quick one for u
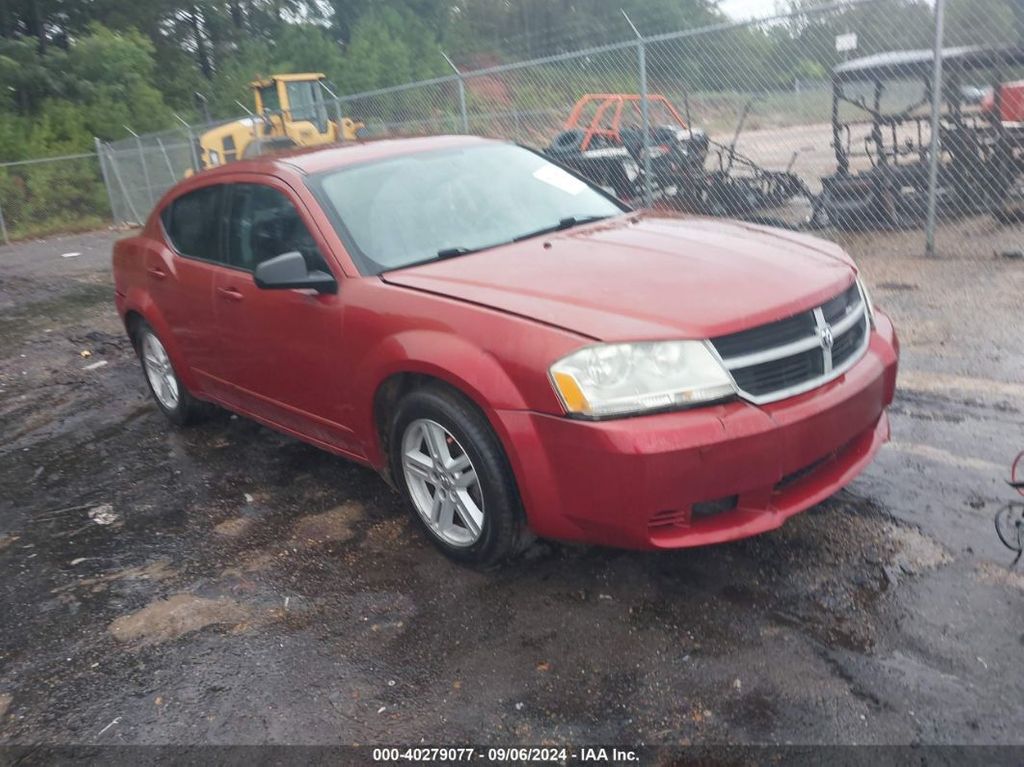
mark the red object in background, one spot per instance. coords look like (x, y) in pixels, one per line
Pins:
(1012, 98)
(603, 114)
(491, 324)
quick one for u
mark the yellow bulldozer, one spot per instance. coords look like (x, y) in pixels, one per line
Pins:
(290, 112)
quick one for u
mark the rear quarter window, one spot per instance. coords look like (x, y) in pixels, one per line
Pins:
(192, 223)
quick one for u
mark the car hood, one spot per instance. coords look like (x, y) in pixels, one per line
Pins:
(633, 278)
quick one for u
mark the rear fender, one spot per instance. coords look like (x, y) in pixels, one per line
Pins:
(138, 301)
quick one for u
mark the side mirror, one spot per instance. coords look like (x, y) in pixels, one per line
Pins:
(289, 271)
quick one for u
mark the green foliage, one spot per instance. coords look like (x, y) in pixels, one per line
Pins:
(57, 100)
(305, 48)
(53, 197)
(982, 22)
(110, 76)
(390, 46)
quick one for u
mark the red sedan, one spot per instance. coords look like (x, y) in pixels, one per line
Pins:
(509, 346)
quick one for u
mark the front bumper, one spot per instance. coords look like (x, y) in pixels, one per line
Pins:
(705, 475)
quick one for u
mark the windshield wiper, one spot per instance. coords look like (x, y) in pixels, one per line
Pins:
(459, 250)
(441, 255)
(565, 223)
(453, 252)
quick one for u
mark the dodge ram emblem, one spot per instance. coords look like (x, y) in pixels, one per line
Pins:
(827, 339)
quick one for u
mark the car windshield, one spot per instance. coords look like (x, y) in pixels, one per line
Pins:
(431, 205)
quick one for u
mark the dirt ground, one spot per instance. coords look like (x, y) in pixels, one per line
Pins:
(225, 584)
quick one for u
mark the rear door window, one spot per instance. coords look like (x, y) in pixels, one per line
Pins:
(263, 223)
(193, 223)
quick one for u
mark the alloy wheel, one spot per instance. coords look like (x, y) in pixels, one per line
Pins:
(443, 483)
(159, 371)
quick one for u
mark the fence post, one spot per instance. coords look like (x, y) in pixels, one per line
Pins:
(193, 151)
(3, 227)
(462, 93)
(196, 167)
(645, 111)
(106, 178)
(338, 116)
(126, 196)
(167, 159)
(145, 168)
(936, 143)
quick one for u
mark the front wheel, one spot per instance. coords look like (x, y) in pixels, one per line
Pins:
(454, 474)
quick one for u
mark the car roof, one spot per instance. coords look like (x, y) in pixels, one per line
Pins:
(315, 160)
(895, 64)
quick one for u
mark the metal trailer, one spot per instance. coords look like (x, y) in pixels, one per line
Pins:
(602, 141)
(982, 156)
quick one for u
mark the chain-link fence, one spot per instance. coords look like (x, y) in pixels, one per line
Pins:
(821, 120)
(50, 195)
(139, 169)
(836, 119)
(979, 181)
(423, 108)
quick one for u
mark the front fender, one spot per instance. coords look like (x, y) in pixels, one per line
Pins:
(441, 355)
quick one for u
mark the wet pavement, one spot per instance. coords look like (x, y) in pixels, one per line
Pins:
(225, 584)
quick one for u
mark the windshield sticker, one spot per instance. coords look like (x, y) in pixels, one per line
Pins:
(559, 179)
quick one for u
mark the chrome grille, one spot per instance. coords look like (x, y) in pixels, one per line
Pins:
(775, 375)
(766, 336)
(848, 344)
(797, 353)
(840, 306)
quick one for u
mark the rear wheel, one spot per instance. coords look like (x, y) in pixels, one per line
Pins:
(168, 391)
(454, 474)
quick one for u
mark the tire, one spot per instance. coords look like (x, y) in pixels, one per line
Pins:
(468, 438)
(166, 388)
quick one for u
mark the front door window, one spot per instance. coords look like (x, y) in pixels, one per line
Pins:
(263, 224)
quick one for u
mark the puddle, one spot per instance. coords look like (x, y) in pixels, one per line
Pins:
(167, 619)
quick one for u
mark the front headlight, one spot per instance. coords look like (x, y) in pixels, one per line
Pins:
(627, 379)
(867, 300)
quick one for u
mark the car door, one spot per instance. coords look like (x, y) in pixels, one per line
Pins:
(180, 272)
(278, 350)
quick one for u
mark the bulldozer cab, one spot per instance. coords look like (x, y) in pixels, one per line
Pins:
(291, 111)
(290, 99)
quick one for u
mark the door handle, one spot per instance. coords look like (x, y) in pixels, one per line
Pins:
(156, 271)
(230, 293)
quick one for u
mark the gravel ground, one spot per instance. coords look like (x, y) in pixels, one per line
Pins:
(225, 584)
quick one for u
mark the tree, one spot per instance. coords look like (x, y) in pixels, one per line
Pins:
(110, 76)
(390, 45)
(982, 22)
